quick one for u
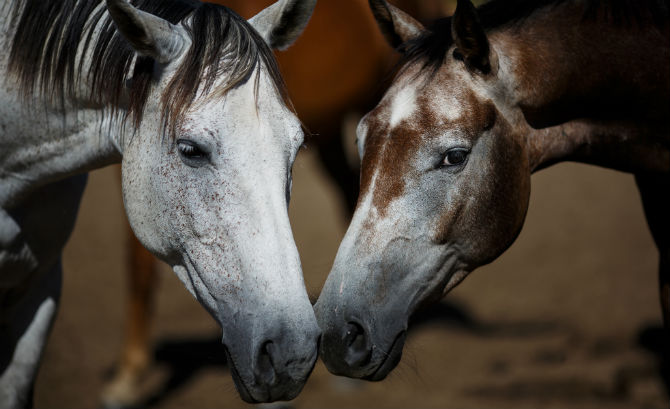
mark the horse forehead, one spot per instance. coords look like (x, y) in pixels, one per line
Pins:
(407, 119)
(221, 114)
(249, 105)
(418, 96)
(412, 112)
(250, 124)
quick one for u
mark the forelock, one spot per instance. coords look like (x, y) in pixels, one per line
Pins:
(225, 53)
(44, 56)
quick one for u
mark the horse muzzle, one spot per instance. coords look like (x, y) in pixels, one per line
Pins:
(350, 347)
(274, 368)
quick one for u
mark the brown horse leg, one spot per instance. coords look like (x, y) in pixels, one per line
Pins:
(334, 159)
(123, 389)
(655, 192)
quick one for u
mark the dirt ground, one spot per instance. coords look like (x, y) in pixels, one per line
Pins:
(568, 317)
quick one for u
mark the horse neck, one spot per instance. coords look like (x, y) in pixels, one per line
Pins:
(42, 142)
(591, 90)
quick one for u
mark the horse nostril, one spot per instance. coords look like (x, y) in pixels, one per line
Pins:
(353, 332)
(264, 370)
(358, 349)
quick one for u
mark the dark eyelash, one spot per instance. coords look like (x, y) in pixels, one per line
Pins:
(190, 150)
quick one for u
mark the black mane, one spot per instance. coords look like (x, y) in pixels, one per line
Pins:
(431, 47)
(43, 54)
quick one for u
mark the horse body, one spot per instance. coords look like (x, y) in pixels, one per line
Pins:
(32, 235)
(609, 105)
(447, 155)
(194, 110)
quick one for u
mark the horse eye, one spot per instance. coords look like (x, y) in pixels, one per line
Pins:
(190, 150)
(455, 157)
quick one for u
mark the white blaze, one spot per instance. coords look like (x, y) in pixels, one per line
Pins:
(403, 106)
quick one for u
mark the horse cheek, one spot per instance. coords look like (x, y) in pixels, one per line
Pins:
(510, 196)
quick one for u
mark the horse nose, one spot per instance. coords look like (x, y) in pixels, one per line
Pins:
(357, 346)
(282, 363)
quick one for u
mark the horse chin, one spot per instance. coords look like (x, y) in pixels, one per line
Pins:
(391, 360)
(257, 396)
(241, 387)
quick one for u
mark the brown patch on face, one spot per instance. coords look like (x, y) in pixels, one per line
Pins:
(389, 151)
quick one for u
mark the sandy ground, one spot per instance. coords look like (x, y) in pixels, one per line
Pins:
(568, 317)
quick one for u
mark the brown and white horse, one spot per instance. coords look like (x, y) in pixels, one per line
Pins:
(482, 100)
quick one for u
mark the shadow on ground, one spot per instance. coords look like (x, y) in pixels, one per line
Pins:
(622, 386)
(184, 358)
(656, 340)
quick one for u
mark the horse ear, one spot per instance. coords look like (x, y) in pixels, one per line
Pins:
(282, 23)
(472, 46)
(397, 26)
(147, 34)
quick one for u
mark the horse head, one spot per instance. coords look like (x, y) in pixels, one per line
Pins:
(207, 179)
(445, 185)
